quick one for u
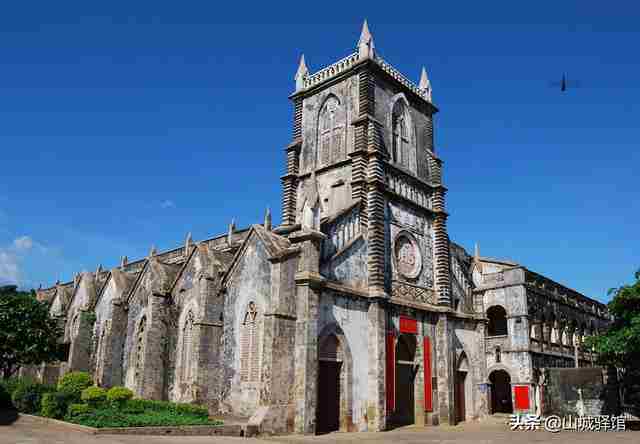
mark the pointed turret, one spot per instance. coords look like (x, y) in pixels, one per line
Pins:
(366, 47)
(187, 243)
(267, 219)
(476, 257)
(425, 85)
(153, 251)
(123, 261)
(232, 229)
(99, 270)
(301, 74)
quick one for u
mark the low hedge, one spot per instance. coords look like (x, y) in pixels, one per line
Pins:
(55, 404)
(94, 396)
(119, 395)
(27, 396)
(74, 383)
(75, 410)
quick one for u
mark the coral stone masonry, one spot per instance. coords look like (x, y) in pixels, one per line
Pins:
(357, 313)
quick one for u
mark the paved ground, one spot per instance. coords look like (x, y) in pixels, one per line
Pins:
(495, 431)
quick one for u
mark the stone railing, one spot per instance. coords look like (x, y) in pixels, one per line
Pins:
(341, 232)
(407, 188)
(331, 70)
(401, 78)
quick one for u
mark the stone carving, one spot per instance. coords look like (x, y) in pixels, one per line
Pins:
(408, 258)
(411, 293)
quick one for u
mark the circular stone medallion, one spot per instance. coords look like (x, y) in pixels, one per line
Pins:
(407, 255)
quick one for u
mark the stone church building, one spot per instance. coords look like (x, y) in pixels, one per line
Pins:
(356, 313)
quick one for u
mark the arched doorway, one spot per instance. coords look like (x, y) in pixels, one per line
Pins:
(329, 367)
(405, 376)
(500, 392)
(460, 392)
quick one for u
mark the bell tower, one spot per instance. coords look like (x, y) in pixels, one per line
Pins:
(363, 137)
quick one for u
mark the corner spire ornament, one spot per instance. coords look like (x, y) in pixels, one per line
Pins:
(366, 47)
(232, 229)
(153, 251)
(301, 74)
(123, 261)
(267, 219)
(187, 243)
(425, 84)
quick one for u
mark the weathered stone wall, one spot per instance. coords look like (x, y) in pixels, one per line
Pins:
(470, 358)
(386, 95)
(349, 314)
(334, 184)
(578, 391)
(250, 281)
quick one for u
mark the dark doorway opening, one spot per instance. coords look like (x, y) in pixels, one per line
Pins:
(328, 411)
(459, 394)
(497, 321)
(500, 392)
(405, 377)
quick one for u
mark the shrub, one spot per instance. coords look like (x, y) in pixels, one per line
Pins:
(94, 396)
(54, 404)
(76, 410)
(119, 395)
(74, 383)
(27, 396)
(11, 384)
(192, 410)
(5, 397)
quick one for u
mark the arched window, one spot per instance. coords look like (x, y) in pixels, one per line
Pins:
(330, 132)
(250, 345)
(75, 326)
(497, 321)
(400, 134)
(186, 349)
(139, 350)
(101, 350)
(498, 354)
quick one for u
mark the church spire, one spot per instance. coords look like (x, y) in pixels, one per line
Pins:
(425, 84)
(301, 74)
(365, 44)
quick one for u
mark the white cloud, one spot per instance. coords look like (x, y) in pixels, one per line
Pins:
(13, 256)
(9, 269)
(23, 243)
(168, 204)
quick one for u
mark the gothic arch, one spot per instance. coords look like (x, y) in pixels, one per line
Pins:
(136, 354)
(497, 326)
(250, 337)
(334, 347)
(185, 372)
(331, 132)
(402, 148)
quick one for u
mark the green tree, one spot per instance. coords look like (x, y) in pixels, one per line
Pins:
(619, 346)
(28, 336)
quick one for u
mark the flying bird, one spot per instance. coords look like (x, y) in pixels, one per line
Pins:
(565, 83)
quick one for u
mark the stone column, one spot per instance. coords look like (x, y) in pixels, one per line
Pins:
(308, 290)
(153, 382)
(290, 180)
(376, 419)
(444, 370)
(81, 344)
(111, 360)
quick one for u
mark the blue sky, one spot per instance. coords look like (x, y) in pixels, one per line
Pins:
(127, 125)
